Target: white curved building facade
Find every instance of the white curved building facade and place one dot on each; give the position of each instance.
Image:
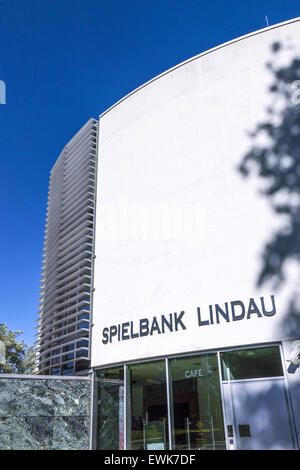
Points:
(189, 350)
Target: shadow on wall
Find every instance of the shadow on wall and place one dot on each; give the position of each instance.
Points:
(277, 163)
(255, 403)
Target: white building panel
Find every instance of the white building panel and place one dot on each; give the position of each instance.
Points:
(178, 229)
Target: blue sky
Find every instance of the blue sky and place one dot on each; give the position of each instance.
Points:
(64, 61)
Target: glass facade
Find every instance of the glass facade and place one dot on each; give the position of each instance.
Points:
(251, 363)
(188, 402)
(110, 417)
(147, 413)
(197, 403)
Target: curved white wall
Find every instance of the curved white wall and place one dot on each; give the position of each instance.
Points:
(177, 227)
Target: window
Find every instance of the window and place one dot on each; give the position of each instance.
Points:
(251, 363)
(67, 357)
(110, 417)
(147, 414)
(67, 369)
(197, 405)
(82, 353)
(69, 347)
(184, 409)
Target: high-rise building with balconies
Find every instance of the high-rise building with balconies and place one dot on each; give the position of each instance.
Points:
(66, 281)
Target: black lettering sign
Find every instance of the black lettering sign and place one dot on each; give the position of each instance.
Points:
(236, 310)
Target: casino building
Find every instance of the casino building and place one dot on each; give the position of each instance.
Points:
(171, 265)
(195, 335)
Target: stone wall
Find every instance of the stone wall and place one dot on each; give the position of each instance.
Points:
(44, 413)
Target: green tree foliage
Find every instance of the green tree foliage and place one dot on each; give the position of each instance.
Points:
(15, 356)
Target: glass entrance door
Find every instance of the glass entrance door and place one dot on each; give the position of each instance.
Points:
(255, 400)
(260, 417)
(232, 399)
(196, 403)
(147, 413)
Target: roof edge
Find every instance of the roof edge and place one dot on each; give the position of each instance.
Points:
(209, 51)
